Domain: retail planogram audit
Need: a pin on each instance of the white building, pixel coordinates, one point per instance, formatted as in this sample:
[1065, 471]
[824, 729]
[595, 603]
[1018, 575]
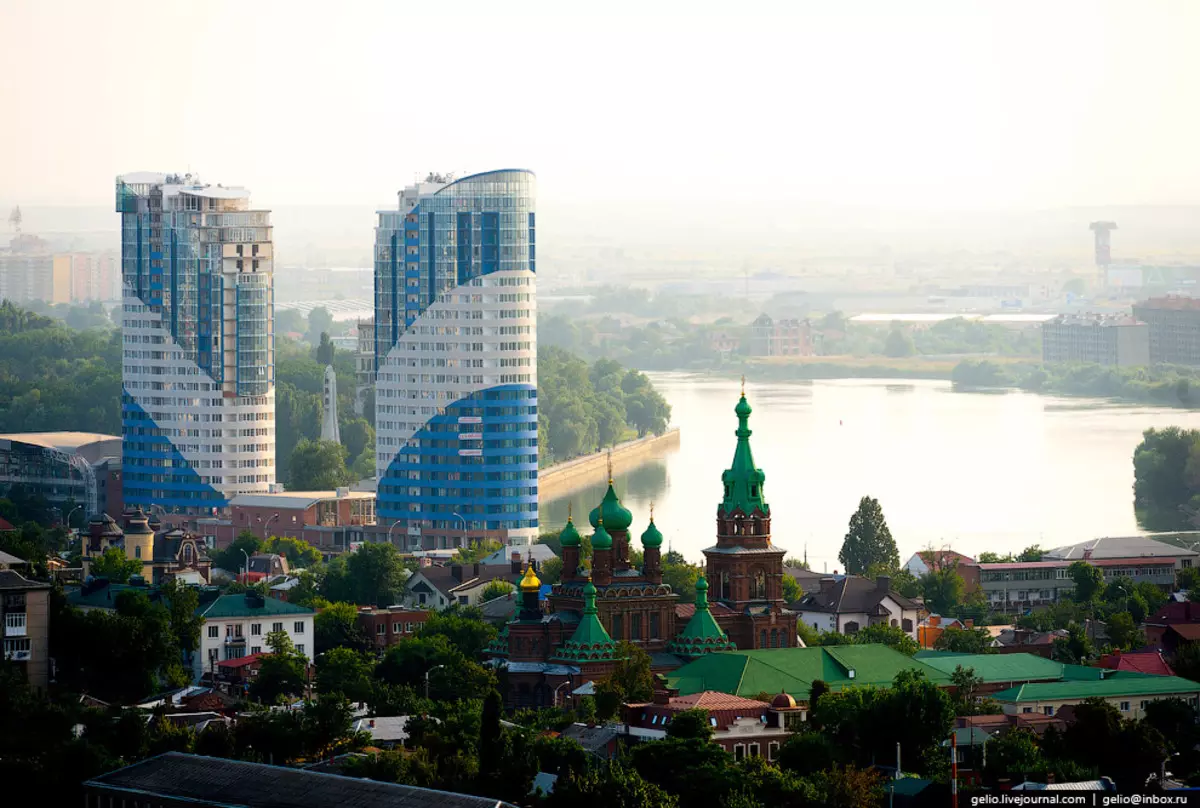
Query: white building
[237, 625]
[852, 603]
[198, 403]
[456, 361]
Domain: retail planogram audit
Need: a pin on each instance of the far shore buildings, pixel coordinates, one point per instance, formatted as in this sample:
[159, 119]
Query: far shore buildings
[576, 638]
[1174, 325]
[1103, 339]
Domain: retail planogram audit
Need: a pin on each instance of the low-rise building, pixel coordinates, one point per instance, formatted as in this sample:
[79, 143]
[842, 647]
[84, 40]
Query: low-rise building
[784, 337]
[166, 554]
[1016, 585]
[852, 603]
[178, 779]
[1170, 615]
[386, 627]
[25, 615]
[931, 560]
[1174, 328]
[1130, 693]
[1101, 339]
[236, 626]
[1129, 547]
[742, 727]
[331, 521]
[437, 586]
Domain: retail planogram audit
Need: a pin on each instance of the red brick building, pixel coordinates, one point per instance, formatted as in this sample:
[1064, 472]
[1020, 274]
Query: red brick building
[328, 520]
[386, 627]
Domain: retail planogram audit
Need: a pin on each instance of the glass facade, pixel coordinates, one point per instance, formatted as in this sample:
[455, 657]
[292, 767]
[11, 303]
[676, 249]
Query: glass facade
[455, 345]
[197, 272]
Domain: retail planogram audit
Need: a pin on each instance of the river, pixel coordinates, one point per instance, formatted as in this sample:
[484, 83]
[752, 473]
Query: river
[973, 471]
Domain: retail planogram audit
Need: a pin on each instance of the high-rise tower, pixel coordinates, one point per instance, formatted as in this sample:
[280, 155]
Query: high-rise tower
[456, 360]
[198, 399]
[1103, 237]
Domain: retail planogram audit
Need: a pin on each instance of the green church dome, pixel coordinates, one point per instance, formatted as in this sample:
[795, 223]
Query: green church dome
[651, 537]
[616, 516]
[600, 539]
[569, 537]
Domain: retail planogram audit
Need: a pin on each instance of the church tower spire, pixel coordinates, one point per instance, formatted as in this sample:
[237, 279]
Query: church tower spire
[743, 480]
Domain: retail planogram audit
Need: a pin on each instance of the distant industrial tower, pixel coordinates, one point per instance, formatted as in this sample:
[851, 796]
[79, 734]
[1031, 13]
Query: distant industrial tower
[329, 426]
[456, 360]
[198, 398]
[1103, 242]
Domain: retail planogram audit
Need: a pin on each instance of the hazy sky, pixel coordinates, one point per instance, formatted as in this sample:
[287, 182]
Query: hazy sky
[891, 104]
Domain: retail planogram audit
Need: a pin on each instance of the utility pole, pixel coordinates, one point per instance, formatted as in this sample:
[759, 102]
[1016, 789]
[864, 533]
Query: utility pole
[953, 770]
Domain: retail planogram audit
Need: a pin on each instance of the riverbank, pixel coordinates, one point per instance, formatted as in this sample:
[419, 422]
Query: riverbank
[563, 478]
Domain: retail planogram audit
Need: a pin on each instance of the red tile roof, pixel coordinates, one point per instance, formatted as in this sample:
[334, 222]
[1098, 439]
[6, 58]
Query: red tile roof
[1151, 662]
[240, 662]
[715, 700]
[1188, 631]
[5, 525]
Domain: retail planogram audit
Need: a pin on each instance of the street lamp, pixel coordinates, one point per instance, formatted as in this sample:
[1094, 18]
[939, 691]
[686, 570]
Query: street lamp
[390, 529]
[270, 519]
[431, 670]
[247, 555]
[460, 518]
[70, 514]
[554, 699]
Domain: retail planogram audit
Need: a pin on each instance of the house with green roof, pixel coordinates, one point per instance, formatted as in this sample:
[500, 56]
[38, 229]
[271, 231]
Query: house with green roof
[793, 670]
[1129, 692]
[998, 671]
[237, 625]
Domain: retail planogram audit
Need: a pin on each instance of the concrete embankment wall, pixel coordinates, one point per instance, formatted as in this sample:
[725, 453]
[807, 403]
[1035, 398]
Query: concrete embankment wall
[565, 477]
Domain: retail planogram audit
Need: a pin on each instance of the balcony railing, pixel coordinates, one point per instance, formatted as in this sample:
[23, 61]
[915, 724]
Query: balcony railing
[14, 625]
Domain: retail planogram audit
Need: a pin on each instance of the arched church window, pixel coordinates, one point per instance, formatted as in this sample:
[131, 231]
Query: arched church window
[760, 585]
[774, 638]
[754, 490]
[762, 638]
[187, 553]
[725, 586]
[137, 551]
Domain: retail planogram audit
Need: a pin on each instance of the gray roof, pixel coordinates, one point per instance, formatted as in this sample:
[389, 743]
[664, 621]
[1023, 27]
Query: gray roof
[14, 580]
[7, 559]
[1120, 547]
[541, 552]
[592, 739]
[237, 784]
[850, 595]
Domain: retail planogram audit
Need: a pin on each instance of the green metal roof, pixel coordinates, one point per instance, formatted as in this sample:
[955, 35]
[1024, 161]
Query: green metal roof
[616, 516]
[793, 670]
[105, 598]
[1134, 685]
[237, 606]
[993, 668]
[743, 480]
[701, 635]
[590, 642]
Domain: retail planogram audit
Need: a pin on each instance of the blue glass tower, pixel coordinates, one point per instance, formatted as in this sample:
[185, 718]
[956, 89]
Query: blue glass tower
[456, 360]
[198, 397]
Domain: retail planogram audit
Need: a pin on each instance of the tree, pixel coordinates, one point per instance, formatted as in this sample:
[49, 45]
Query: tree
[358, 437]
[336, 626]
[613, 786]
[1032, 553]
[345, 671]
[182, 602]
[376, 574]
[1088, 581]
[551, 571]
[792, 591]
[1189, 579]
[868, 540]
[631, 673]
[806, 753]
[850, 787]
[113, 565]
[320, 321]
[298, 552]
[408, 661]
[282, 672]
[965, 641]
[317, 465]
[496, 588]
[899, 344]
[942, 589]
[966, 684]
[1014, 755]
[691, 724]
[463, 626]
[681, 577]
[1074, 648]
[891, 636]
[906, 583]
[1123, 633]
[233, 557]
[324, 350]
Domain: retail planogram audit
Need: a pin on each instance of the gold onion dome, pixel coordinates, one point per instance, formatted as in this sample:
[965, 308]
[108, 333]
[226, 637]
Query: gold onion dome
[530, 582]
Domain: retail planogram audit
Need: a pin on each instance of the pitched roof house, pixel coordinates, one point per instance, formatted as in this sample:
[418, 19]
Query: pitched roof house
[853, 603]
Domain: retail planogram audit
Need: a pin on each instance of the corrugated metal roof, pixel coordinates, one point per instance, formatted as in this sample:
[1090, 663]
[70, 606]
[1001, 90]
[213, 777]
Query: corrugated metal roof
[1129, 684]
[997, 667]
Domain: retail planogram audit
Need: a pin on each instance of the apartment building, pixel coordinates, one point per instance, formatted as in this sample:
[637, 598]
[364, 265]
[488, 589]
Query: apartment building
[236, 626]
[25, 615]
[1174, 323]
[386, 627]
[1118, 340]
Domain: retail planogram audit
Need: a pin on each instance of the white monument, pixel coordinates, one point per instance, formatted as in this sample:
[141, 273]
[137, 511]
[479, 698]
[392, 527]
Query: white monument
[329, 426]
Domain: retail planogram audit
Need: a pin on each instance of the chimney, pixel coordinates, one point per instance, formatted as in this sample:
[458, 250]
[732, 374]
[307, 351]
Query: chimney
[826, 584]
[883, 583]
[969, 622]
[515, 562]
[1087, 554]
[935, 620]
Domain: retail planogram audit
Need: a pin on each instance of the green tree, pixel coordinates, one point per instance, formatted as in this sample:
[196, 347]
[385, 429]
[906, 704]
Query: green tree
[966, 684]
[113, 565]
[358, 437]
[376, 574]
[551, 571]
[632, 674]
[281, 673]
[336, 626]
[1088, 581]
[320, 321]
[868, 540]
[1075, 648]
[942, 589]
[451, 674]
[496, 588]
[613, 786]
[345, 671]
[850, 787]
[899, 343]
[691, 724]
[1123, 633]
[791, 589]
[1032, 553]
[299, 553]
[1014, 755]
[906, 583]
[891, 636]
[681, 577]
[463, 626]
[317, 465]
[233, 557]
[806, 753]
[965, 641]
[324, 355]
[182, 603]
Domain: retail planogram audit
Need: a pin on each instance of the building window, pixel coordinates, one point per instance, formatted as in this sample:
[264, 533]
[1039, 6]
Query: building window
[755, 750]
[654, 625]
[277, 627]
[300, 648]
[1124, 706]
[906, 626]
[256, 629]
[396, 627]
[1143, 706]
[774, 638]
[760, 585]
[463, 600]
[762, 638]
[214, 632]
[137, 551]
[1026, 709]
[851, 627]
[380, 628]
[772, 750]
[256, 649]
[739, 751]
[725, 586]
[618, 632]
[408, 627]
[421, 598]
[635, 626]
[1047, 710]
[298, 627]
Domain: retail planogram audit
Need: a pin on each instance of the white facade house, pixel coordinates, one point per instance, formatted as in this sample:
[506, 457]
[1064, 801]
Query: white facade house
[236, 626]
[853, 603]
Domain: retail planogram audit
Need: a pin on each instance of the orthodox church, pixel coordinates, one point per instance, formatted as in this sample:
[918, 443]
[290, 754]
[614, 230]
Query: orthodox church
[576, 637]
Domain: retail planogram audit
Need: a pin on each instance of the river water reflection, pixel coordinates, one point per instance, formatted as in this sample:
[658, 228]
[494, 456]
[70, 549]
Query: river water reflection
[978, 471]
